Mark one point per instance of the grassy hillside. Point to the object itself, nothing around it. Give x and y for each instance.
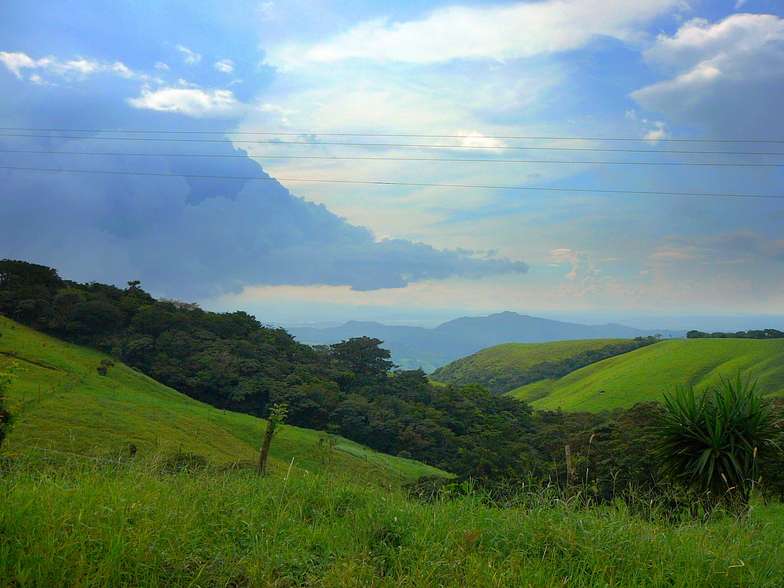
(498, 366)
(645, 373)
(62, 405)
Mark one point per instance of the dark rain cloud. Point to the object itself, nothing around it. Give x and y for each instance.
(188, 225)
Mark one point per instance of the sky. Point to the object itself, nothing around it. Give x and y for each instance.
(402, 161)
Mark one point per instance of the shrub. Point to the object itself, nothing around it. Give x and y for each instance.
(711, 442)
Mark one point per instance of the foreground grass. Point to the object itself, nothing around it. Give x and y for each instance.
(96, 524)
(643, 374)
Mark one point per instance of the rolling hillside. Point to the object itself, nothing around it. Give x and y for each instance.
(501, 367)
(63, 406)
(645, 373)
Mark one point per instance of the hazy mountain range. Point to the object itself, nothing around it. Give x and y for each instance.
(414, 347)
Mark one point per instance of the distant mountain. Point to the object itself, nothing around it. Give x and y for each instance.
(414, 347)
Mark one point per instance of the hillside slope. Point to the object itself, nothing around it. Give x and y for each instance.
(62, 406)
(504, 367)
(645, 373)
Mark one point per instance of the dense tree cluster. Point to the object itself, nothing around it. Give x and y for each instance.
(763, 334)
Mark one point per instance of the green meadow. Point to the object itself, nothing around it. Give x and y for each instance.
(644, 374)
(500, 362)
(64, 407)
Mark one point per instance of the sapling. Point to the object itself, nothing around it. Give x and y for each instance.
(274, 422)
(5, 414)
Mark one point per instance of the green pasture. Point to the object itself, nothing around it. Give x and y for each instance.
(644, 374)
(499, 361)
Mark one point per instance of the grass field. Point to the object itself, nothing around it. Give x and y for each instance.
(645, 373)
(83, 524)
(63, 406)
(499, 362)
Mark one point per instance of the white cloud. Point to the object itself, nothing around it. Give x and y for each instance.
(191, 57)
(190, 101)
(479, 141)
(727, 77)
(225, 65)
(71, 70)
(501, 32)
(698, 42)
(16, 61)
(658, 133)
(162, 66)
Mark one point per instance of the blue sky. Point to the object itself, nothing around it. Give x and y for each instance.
(353, 219)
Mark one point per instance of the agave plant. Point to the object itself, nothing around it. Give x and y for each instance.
(710, 442)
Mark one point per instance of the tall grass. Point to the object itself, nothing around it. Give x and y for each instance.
(93, 523)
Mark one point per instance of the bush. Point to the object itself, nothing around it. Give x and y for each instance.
(712, 442)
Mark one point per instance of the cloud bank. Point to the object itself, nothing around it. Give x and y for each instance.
(181, 216)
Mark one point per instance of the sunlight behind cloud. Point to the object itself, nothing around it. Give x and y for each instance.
(498, 32)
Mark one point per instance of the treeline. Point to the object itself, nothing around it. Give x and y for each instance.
(763, 334)
(500, 383)
(232, 361)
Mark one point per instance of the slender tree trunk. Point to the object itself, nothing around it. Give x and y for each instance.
(569, 470)
(265, 447)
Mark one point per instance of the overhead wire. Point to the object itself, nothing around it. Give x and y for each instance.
(155, 136)
(408, 184)
(398, 145)
(360, 158)
(432, 136)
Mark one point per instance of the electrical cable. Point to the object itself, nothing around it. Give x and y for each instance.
(406, 145)
(306, 133)
(429, 159)
(409, 184)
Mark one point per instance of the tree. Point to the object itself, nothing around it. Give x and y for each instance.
(711, 442)
(275, 420)
(364, 358)
(5, 414)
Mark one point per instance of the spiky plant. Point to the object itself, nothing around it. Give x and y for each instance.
(710, 442)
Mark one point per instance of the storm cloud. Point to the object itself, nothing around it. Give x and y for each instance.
(190, 215)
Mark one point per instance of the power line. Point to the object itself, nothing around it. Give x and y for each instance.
(408, 184)
(407, 145)
(424, 136)
(357, 158)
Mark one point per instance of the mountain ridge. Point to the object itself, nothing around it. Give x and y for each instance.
(429, 349)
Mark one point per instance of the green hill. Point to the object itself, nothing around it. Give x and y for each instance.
(502, 368)
(645, 373)
(62, 406)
